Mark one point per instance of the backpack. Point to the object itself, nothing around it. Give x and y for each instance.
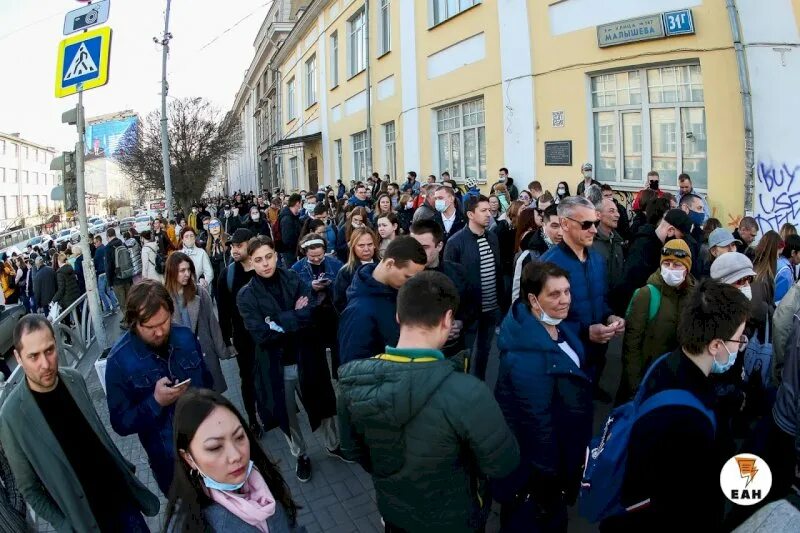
(655, 302)
(123, 262)
(160, 263)
(758, 357)
(607, 455)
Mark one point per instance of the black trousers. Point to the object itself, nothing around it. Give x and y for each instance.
(327, 322)
(245, 358)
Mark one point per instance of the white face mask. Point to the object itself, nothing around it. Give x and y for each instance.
(672, 277)
(747, 291)
(255, 216)
(561, 190)
(545, 318)
(409, 205)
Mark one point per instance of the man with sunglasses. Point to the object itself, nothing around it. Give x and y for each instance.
(677, 437)
(148, 369)
(589, 315)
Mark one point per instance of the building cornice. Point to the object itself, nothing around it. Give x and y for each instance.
(309, 18)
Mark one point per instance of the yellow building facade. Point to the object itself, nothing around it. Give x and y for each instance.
(470, 86)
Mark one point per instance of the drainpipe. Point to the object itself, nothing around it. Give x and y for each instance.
(747, 106)
(369, 92)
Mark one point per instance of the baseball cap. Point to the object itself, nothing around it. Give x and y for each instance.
(679, 219)
(586, 166)
(721, 237)
(472, 182)
(731, 267)
(241, 235)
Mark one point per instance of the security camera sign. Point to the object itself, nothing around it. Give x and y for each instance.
(86, 16)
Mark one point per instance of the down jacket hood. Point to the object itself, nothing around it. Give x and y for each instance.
(520, 331)
(364, 285)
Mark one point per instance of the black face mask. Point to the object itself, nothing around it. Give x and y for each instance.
(654, 185)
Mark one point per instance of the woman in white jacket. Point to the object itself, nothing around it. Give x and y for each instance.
(202, 264)
(149, 253)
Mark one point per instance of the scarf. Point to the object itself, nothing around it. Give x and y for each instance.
(253, 505)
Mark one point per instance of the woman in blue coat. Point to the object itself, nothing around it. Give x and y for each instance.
(546, 398)
(317, 271)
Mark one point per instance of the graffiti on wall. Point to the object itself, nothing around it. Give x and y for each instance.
(778, 195)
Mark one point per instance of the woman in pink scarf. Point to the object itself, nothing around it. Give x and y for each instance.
(223, 479)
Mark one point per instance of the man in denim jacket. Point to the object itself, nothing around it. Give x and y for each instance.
(148, 369)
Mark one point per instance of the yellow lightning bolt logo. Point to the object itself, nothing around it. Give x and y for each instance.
(747, 468)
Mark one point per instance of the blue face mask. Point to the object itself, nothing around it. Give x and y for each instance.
(697, 218)
(719, 368)
(440, 206)
(227, 487)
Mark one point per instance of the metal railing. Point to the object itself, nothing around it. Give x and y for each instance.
(74, 336)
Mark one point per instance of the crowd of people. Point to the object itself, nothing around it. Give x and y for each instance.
(375, 309)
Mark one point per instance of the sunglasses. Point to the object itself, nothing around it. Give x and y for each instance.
(680, 254)
(585, 224)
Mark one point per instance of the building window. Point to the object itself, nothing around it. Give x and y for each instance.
(293, 173)
(25, 177)
(462, 140)
(311, 81)
(390, 149)
(290, 111)
(2, 152)
(16, 149)
(338, 144)
(36, 178)
(445, 9)
(384, 28)
(2, 175)
(356, 45)
(26, 206)
(26, 152)
(13, 175)
(660, 126)
(359, 155)
(334, 59)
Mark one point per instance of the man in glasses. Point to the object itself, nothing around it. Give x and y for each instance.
(710, 338)
(589, 314)
(148, 369)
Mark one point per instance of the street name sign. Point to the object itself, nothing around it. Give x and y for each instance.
(87, 16)
(83, 61)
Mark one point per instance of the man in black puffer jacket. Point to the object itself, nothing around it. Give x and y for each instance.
(289, 221)
(428, 433)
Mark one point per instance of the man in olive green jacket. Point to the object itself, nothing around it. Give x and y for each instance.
(75, 480)
(428, 433)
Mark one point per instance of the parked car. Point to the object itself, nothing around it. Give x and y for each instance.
(126, 223)
(42, 241)
(143, 223)
(96, 225)
(65, 235)
(75, 236)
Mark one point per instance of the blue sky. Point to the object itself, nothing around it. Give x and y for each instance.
(30, 31)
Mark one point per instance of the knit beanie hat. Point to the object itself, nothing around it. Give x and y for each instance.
(672, 250)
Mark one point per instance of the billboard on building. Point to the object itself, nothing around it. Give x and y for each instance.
(103, 138)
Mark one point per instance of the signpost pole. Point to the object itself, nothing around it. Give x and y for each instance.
(164, 134)
(92, 296)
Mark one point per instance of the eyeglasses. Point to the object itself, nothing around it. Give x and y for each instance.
(585, 224)
(747, 280)
(742, 342)
(680, 254)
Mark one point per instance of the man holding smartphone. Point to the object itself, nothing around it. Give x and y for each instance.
(148, 369)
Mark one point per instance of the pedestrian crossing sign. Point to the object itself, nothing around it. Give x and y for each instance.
(83, 61)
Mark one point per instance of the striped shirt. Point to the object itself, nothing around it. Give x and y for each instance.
(488, 276)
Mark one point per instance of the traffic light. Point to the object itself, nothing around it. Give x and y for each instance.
(66, 164)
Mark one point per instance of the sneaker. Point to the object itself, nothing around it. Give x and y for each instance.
(303, 469)
(256, 429)
(337, 453)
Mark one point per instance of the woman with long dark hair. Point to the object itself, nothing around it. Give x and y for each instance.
(217, 249)
(223, 479)
(194, 310)
(388, 228)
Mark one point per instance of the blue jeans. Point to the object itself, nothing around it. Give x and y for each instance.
(107, 298)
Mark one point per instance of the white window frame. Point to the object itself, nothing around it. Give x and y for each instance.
(14, 175)
(26, 177)
(311, 81)
(390, 149)
(356, 44)
(459, 108)
(291, 112)
(384, 27)
(338, 147)
(645, 107)
(3, 150)
(294, 173)
(334, 59)
(442, 10)
(2, 175)
(359, 145)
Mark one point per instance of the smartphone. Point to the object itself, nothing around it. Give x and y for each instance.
(184, 382)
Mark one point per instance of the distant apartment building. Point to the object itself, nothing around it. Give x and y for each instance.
(104, 177)
(26, 180)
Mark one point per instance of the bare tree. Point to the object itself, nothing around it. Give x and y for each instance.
(199, 140)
